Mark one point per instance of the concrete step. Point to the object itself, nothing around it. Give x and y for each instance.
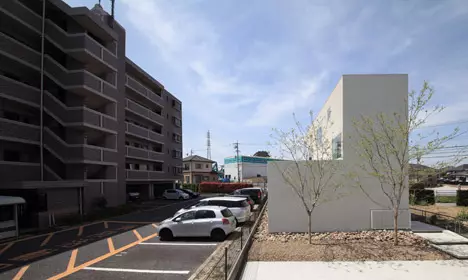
(446, 237)
(457, 251)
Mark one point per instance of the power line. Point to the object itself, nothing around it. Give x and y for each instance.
(443, 124)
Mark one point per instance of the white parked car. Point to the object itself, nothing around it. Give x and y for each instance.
(238, 206)
(207, 221)
(175, 194)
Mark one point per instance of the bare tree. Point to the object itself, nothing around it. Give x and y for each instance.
(311, 171)
(388, 143)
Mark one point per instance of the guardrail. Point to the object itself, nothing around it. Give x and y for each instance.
(445, 192)
(454, 224)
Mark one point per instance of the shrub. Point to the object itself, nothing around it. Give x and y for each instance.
(217, 187)
(417, 186)
(100, 202)
(462, 215)
(192, 187)
(462, 197)
(432, 219)
(423, 195)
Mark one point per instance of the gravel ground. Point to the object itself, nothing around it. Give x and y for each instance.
(339, 246)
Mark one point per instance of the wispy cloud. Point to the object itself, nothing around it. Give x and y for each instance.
(242, 69)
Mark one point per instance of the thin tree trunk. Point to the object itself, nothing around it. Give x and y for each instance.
(395, 227)
(310, 228)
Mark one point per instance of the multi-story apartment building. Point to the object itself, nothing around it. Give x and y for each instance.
(79, 121)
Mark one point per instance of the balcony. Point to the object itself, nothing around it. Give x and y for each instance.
(144, 175)
(19, 131)
(133, 152)
(82, 47)
(19, 171)
(78, 116)
(143, 91)
(143, 111)
(144, 133)
(78, 153)
(81, 82)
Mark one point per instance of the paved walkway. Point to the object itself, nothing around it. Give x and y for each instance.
(371, 270)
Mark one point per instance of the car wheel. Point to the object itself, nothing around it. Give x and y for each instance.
(218, 234)
(181, 197)
(165, 234)
(237, 221)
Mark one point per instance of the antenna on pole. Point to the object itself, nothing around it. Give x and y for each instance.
(208, 145)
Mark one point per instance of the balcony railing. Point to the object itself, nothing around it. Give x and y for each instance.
(74, 43)
(77, 153)
(143, 154)
(142, 132)
(143, 111)
(19, 131)
(144, 175)
(79, 81)
(144, 91)
(59, 37)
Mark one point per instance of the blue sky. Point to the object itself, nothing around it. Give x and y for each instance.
(243, 67)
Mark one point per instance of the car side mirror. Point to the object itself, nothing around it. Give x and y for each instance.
(178, 219)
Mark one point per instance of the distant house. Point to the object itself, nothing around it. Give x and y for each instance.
(424, 174)
(198, 169)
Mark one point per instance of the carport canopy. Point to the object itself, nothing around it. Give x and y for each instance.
(11, 200)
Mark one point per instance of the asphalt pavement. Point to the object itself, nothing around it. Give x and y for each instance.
(63, 254)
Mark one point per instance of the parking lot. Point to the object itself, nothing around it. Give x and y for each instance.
(60, 254)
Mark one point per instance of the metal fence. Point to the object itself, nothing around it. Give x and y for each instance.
(459, 226)
(228, 263)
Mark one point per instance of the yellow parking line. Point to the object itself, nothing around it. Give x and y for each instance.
(80, 230)
(21, 272)
(71, 262)
(47, 239)
(111, 244)
(6, 247)
(154, 225)
(101, 258)
(106, 225)
(137, 234)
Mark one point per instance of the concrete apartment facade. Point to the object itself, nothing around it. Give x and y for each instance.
(108, 127)
(348, 209)
(198, 169)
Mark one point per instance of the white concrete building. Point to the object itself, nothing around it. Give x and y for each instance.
(249, 167)
(349, 209)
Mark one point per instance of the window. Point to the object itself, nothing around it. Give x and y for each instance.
(137, 166)
(11, 116)
(10, 155)
(336, 147)
(176, 154)
(198, 166)
(187, 179)
(205, 214)
(187, 216)
(186, 167)
(226, 213)
(127, 166)
(206, 165)
(328, 114)
(319, 135)
(176, 138)
(177, 121)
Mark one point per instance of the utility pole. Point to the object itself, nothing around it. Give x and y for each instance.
(191, 152)
(208, 145)
(236, 148)
(41, 117)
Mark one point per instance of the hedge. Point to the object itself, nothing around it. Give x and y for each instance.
(192, 187)
(423, 195)
(217, 187)
(462, 197)
(417, 186)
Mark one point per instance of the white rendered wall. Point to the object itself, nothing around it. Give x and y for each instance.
(354, 95)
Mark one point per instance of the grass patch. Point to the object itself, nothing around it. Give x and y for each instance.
(446, 199)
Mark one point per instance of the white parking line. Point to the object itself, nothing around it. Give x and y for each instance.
(138, 270)
(179, 244)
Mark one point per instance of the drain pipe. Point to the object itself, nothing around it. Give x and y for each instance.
(42, 89)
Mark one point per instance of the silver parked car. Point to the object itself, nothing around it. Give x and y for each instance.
(207, 221)
(175, 194)
(239, 206)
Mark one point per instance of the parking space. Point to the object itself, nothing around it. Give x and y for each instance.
(151, 259)
(53, 251)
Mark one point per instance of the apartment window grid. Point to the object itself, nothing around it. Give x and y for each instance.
(337, 147)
